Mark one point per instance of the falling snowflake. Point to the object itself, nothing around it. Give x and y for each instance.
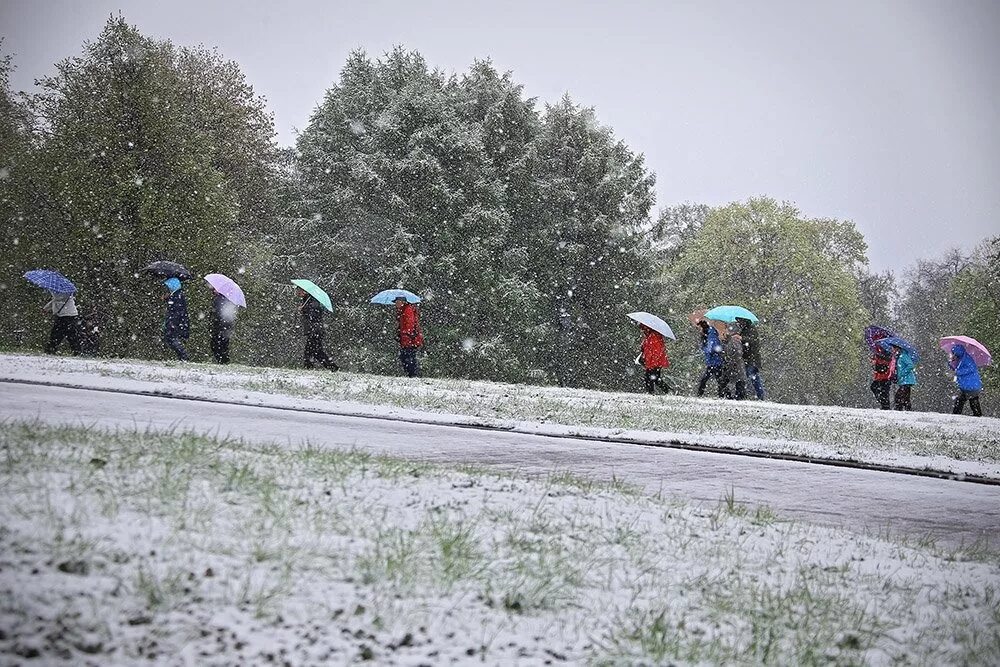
(468, 345)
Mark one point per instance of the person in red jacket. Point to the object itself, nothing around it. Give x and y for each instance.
(654, 359)
(883, 368)
(411, 338)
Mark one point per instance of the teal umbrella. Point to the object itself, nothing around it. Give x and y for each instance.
(729, 314)
(315, 291)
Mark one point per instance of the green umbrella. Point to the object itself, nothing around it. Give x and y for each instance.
(315, 291)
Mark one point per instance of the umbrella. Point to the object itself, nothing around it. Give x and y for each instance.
(227, 287)
(901, 343)
(729, 314)
(315, 291)
(973, 347)
(654, 323)
(51, 280)
(875, 333)
(696, 316)
(389, 296)
(165, 269)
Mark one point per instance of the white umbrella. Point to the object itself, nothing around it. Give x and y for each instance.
(654, 323)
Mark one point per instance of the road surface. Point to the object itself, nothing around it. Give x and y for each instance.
(950, 511)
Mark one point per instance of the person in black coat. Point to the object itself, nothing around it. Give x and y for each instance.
(223, 323)
(751, 355)
(313, 328)
(176, 327)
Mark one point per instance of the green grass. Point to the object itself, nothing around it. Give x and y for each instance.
(191, 526)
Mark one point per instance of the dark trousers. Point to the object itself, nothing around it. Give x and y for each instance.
(711, 372)
(63, 328)
(880, 389)
(175, 343)
(902, 397)
(220, 345)
(973, 398)
(408, 358)
(654, 379)
(314, 353)
(753, 374)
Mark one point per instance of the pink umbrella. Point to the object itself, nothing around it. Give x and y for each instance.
(973, 347)
(227, 288)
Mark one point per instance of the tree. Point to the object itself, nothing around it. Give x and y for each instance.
(588, 256)
(146, 151)
(798, 275)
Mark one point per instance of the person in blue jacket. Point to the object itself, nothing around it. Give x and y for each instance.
(176, 327)
(711, 347)
(969, 382)
(906, 379)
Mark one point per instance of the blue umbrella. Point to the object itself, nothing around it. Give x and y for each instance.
(730, 314)
(389, 296)
(901, 343)
(51, 280)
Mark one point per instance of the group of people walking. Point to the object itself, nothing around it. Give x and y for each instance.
(731, 349)
(732, 359)
(893, 362)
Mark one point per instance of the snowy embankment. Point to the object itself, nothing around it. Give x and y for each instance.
(955, 444)
(135, 547)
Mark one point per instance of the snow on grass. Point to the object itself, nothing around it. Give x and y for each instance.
(134, 546)
(950, 443)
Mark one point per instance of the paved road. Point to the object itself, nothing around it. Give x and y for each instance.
(953, 512)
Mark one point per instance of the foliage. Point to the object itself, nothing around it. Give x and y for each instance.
(797, 274)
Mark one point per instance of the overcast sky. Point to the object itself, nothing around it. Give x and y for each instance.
(884, 113)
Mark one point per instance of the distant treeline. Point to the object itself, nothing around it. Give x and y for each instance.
(529, 231)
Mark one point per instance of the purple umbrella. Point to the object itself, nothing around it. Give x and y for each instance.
(973, 347)
(225, 286)
(874, 334)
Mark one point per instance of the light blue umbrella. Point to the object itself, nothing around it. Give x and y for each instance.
(653, 322)
(901, 343)
(51, 280)
(389, 296)
(315, 291)
(730, 314)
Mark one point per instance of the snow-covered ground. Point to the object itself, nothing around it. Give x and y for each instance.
(957, 444)
(135, 546)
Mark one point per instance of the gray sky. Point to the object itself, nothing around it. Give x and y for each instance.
(884, 113)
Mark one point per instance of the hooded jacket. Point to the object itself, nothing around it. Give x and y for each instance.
(906, 374)
(712, 348)
(966, 371)
(883, 364)
(62, 305)
(733, 365)
(312, 317)
(751, 344)
(176, 324)
(654, 350)
(410, 335)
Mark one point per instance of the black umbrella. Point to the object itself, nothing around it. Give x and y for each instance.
(165, 269)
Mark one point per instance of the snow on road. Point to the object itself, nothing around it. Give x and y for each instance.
(953, 444)
(952, 512)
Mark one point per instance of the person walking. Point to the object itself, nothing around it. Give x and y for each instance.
(653, 353)
(734, 369)
(711, 347)
(751, 356)
(65, 323)
(313, 327)
(223, 323)
(883, 367)
(906, 379)
(411, 338)
(970, 384)
(176, 326)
